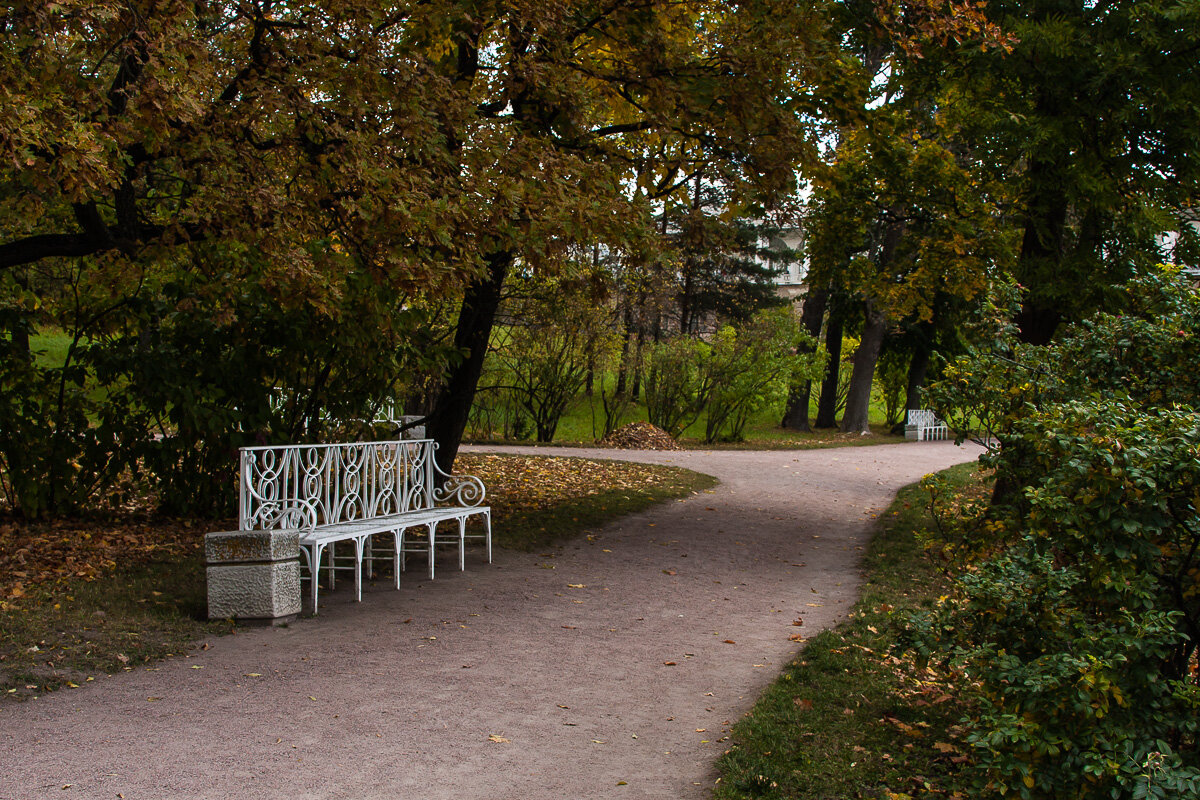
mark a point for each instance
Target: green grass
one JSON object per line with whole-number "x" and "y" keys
{"x": 50, "y": 347}
{"x": 583, "y": 424}
{"x": 845, "y": 719}
{"x": 72, "y": 632}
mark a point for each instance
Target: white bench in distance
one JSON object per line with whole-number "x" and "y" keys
{"x": 922, "y": 425}
{"x": 336, "y": 493}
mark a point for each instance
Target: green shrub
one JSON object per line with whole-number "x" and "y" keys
{"x": 677, "y": 384}
{"x": 1081, "y": 637}
{"x": 752, "y": 367}
{"x": 1076, "y": 619}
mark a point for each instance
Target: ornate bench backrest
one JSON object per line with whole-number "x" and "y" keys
{"x": 330, "y": 483}
{"x": 922, "y": 417}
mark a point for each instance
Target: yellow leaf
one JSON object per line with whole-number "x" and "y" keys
{"x": 497, "y": 738}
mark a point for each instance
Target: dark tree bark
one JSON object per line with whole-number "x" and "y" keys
{"x": 452, "y": 407}
{"x": 827, "y": 402}
{"x": 1043, "y": 241}
{"x": 918, "y": 367}
{"x": 858, "y": 398}
{"x": 811, "y": 317}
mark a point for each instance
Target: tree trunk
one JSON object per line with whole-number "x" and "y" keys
{"x": 1043, "y": 240}
{"x": 827, "y": 403}
{"x": 858, "y": 399}
{"x": 918, "y": 368}
{"x": 448, "y": 420}
{"x": 796, "y": 415}
{"x": 626, "y": 345}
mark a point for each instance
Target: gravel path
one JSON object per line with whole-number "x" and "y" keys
{"x": 611, "y": 667}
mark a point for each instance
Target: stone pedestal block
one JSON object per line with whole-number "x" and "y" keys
{"x": 253, "y": 576}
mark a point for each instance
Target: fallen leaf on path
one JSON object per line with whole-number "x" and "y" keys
{"x": 497, "y": 738}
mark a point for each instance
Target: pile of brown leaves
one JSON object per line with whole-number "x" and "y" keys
{"x": 640, "y": 436}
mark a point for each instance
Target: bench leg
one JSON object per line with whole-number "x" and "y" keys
{"x": 359, "y": 547}
{"x": 432, "y": 526}
{"x": 462, "y": 543}
{"x": 332, "y": 572}
{"x": 314, "y": 568}
{"x": 398, "y": 538}
{"x": 487, "y": 522}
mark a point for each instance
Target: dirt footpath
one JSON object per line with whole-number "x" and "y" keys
{"x": 610, "y": 667}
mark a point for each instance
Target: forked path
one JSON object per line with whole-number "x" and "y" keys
{"x": 610, "y": 667}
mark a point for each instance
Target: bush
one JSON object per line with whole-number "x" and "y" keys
{"x": 677, "y": 384}
{"x": 1082, "y": 636}
{"x": 753, "y": 367}
{"x": 1077, "y": 615}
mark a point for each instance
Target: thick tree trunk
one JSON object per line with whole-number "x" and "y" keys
{"x": 448, "y": 420}
{"x": 1043, "y": 241}
{"x": 1036, "y": 324}
{"x": 827, "y": 403}
{"x": 858, "y": 399}
{"x": 918, "y": 369}
{"x": 796, "y": 415}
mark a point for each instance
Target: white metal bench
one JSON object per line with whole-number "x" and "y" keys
{"x": 350, "y": 493}
{"x": 923, "y": 425}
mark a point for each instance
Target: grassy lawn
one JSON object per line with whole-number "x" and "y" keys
{"x": 80, "y": 599}
{"x": 583, "y": 424}
{"x": 846, "y": 719}
{"x": 50, "y": 347}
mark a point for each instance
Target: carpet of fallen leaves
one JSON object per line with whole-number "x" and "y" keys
{"x": 34, "y": 554}
{"x": 39, "y": 554}
{"x": 536, "y": 482}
